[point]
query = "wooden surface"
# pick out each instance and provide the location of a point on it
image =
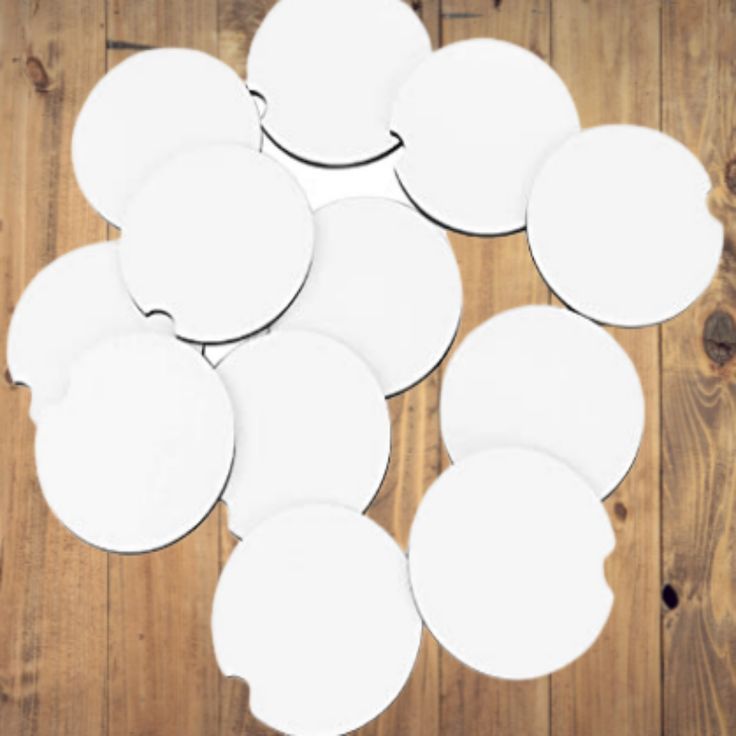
(96, 644)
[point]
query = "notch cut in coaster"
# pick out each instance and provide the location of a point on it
(138, 451)
(72, 304)
(386, 283)
(329, 70)
(220, 238)
(619, 225)
(312, 426)
(149, 107)
(545, 378)
(477, 119)
(506, 560)
(314, 611)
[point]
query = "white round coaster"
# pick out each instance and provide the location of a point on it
(312, 426)
(477, 119)
(147, 108)
(139, 449)
(329, 70)
(315, 612)
(547, 379)
(220, 238)
(619, 225)
(386, 283)
(72, 304)
(506, 563)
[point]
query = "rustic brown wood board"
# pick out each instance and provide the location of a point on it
(97, 644)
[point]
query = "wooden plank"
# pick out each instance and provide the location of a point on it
(163, 676)
(189, 23)
(608, 53)
(414, 464)
(237, 22)
(53, 588)
(497, 274)
(699, 393)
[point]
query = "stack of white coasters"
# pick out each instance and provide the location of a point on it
(282, 270)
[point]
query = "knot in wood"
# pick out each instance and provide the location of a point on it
(730, 176)
(37, 74)
(719, 337)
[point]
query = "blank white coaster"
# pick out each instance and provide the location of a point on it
(386, 283)
(619, 225)
(315, 612)
(220, 238)
(147, 108)
(138, 451)
(477, 119)
(506, 560)
(329, 70)
(311, 426)
(545, 378)
(72, 304)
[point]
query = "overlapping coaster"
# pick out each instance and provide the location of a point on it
(477, 120)
(506, 563)
(314, 611)
(311, 426)
(303, 323)
(150, 106)
(324, 185)
(363, 288)
(619, 225)
(220, 238)
(328, 71)
(138, 451)
(72, 304)
(547, 379)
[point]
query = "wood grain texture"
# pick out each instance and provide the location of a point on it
(92, 644)
(497, 274)
(163, 679)
(53, 589)
(699, 393)
(608, 54)
(415, 457)
(415, 464)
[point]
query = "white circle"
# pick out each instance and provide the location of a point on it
(386, 283)
(329, 71)
(150, 106)
(619, 225)
(72, 304)
(477, 120)
(547, 379)
(312, 426)
(315, 612)
(506, 563)
(139, 449)
(220, 238)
